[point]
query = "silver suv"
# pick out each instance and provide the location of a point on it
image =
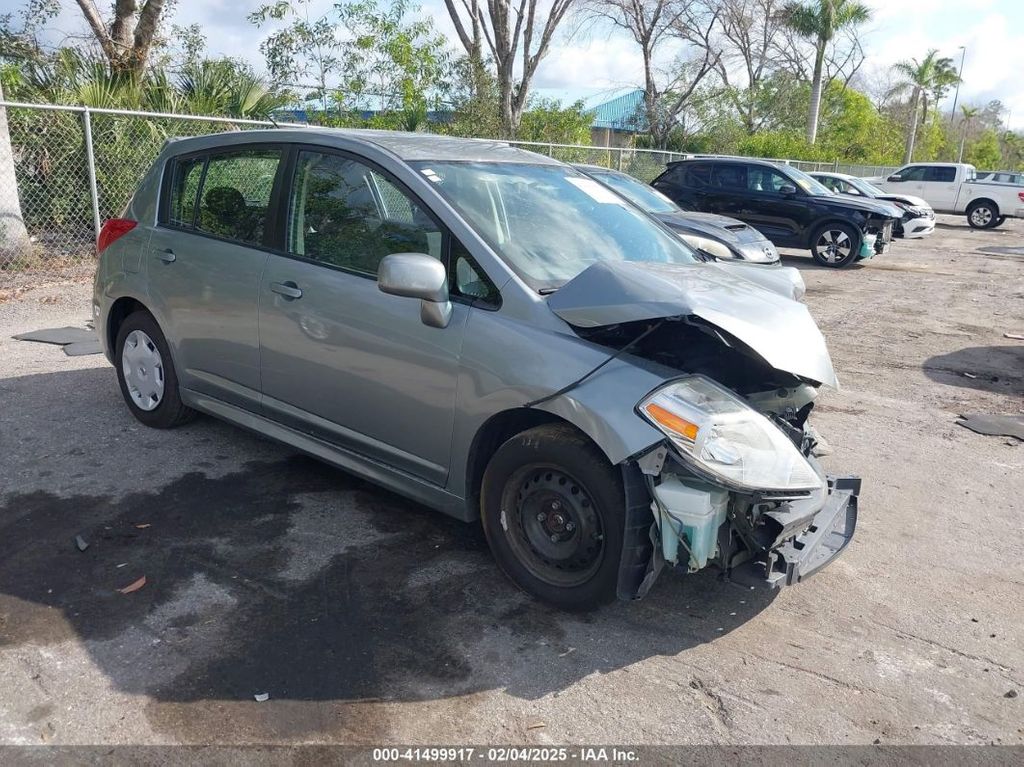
(488, 332)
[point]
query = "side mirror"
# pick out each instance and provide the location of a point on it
(895, 177)
(417, 275)
(787, 190)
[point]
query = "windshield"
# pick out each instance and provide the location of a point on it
(644, 197)
(809, 185)
(550, 222)
(865, 187)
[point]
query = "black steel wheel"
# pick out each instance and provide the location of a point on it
(553, 513)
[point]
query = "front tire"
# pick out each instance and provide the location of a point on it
(553, 512)
(982, 215)
(835, 245)
(146, 374)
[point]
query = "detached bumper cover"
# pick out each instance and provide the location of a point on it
(830, 532)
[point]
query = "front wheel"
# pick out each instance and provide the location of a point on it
(835, 245)
(982, 215)
(553, 513)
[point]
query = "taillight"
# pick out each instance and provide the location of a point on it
(1020, 196)
(112, 230)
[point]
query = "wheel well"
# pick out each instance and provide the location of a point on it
(980, 200)
(119, 312)
(497, 430)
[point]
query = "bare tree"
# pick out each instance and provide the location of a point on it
(517, 34)
(653, 24)
(750, 33)
(128, 37)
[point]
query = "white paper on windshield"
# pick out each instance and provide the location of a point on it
(596, 191)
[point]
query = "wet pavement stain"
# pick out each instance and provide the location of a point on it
(292, 578)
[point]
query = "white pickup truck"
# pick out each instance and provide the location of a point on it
(951, 187)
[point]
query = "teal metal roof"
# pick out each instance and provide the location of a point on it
(625, 112)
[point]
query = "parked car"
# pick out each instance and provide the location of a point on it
(722, 237)
(786, 205)
(951, 187)
(488, 332)
(918, 217)
(1001, 177)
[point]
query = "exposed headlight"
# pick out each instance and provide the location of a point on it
(715, 248)
(722, 436)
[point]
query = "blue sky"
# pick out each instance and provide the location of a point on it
(593, 64)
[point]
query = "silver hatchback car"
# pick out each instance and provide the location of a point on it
(491, 333)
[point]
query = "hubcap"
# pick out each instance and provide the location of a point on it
(554, 529)
(834, 245)
(981, 216)
(143, 370)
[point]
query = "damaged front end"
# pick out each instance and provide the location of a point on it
(735, 484)
(681, 518)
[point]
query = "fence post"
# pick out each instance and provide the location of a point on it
(90, 162)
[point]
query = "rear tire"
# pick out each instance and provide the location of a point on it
(146, 374)
(982, 215)
(999, 222)
(835, 245)
(553, 512)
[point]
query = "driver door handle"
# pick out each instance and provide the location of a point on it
(289, 290)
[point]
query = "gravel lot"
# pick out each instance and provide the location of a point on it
(368, 619)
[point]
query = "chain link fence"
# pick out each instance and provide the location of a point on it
(64, 170)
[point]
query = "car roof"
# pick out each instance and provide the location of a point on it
(729, 160)
(830, 174)
(406, 146)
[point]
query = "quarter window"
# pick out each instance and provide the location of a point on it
(235, 196)
(346, 214)
(184, 187)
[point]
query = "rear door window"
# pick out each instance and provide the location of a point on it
(729, 176)
(235, 195)
(940, 173)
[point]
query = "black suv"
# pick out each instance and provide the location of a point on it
(789, 207)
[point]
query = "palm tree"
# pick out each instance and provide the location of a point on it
(13, 236)
(930, 76)
(819, 22)
(969, 114)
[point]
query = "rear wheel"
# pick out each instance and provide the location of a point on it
(999, 222)
(835, 245)
(146, 374)
(553, 513)
(983, 215)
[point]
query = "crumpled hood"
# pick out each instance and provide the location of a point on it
(909, 199)
(873, 206)
(778, 329)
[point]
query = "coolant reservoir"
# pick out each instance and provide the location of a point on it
(693, 511)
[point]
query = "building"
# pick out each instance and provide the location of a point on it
(618, 120)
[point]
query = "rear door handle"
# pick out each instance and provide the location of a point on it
(166, 255)
(289, 290)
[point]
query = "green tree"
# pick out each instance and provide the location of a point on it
(308, 47)
(984, 152)
(547, 120)
(403, 64)
(931, 76)
(819, 21)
